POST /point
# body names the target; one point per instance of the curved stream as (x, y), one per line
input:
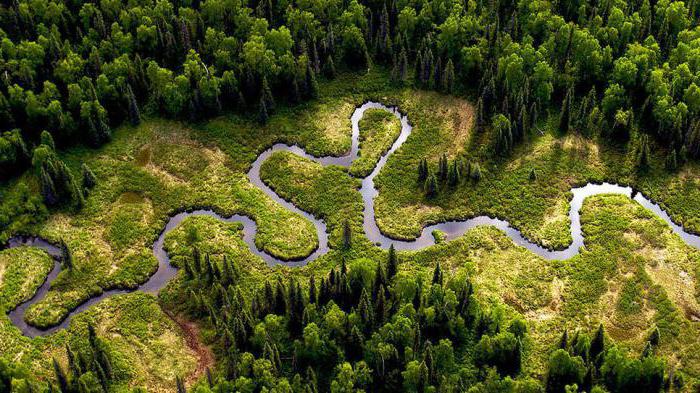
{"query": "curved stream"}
(451, 229)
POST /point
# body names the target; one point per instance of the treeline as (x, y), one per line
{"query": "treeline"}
(76, 69)
(368, 327)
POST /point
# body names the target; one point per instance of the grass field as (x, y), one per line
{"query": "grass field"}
(633, 274)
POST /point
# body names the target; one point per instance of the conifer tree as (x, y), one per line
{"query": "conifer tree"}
(453, 176)
(88, 178)
(448, 80)
(431, 186)
(381, 307)
(422, 170)
(263, 115)
(311, 84)
(266, 95)
(442, 168)
(564, 340)
(392, 264)
(66, 257)
(329, 68)
(598, 342)
(643, 154)
(312, 290)
(565, 112)
(134, 113)
(437, 274)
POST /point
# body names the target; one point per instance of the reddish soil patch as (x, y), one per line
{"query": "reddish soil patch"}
(205, 357)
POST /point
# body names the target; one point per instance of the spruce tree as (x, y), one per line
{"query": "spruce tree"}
(312, 290)
(392, 264)
(437, 274)
(643, 153)
(66, 256)
(88, 178)
(134, 113)
(422, 170)
(47, 188)
(329, 68)
(266, 95)
(442, 168)
(598, 343)
(263, 115)
(311, 84)
(453, 176)
(565, 112)
(431, 186)
(448, 80)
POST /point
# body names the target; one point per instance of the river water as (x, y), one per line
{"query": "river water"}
(451, 229)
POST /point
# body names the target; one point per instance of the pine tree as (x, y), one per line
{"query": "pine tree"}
(266, 95)
(422, 170)
(381, 308)
(392, 264)
(329, 68)
(311, 84)
(564, 340)
(47, 140)
(442, 168)
(403, 66)
(48, 189)
(598, 342)
(431, 186)
(655, 337)
(134, 113)
(437, 274)
(453, 176)
(88, 178)
(643, 154)
(565, 113)
(280, 299)
(66, 257)
(312, 290)
(347, 234)
(262, 111)
(448, 80)
(672, 161)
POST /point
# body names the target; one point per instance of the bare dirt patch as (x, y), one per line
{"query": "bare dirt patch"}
(204, 354)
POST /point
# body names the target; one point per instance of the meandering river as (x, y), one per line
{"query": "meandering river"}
(451, 229)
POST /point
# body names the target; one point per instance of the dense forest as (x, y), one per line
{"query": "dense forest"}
(76, 69)
(71, 72)
(362, 328)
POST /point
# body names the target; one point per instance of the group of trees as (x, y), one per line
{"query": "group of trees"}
(368, 326)
(593, 365)
(57, 183)
(363, 326)
(76, 69)
(447, 173)
(89, 370)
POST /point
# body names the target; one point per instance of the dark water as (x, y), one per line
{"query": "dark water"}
(452, 229)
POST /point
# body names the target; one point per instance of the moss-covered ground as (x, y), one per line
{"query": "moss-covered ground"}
(633, 273)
